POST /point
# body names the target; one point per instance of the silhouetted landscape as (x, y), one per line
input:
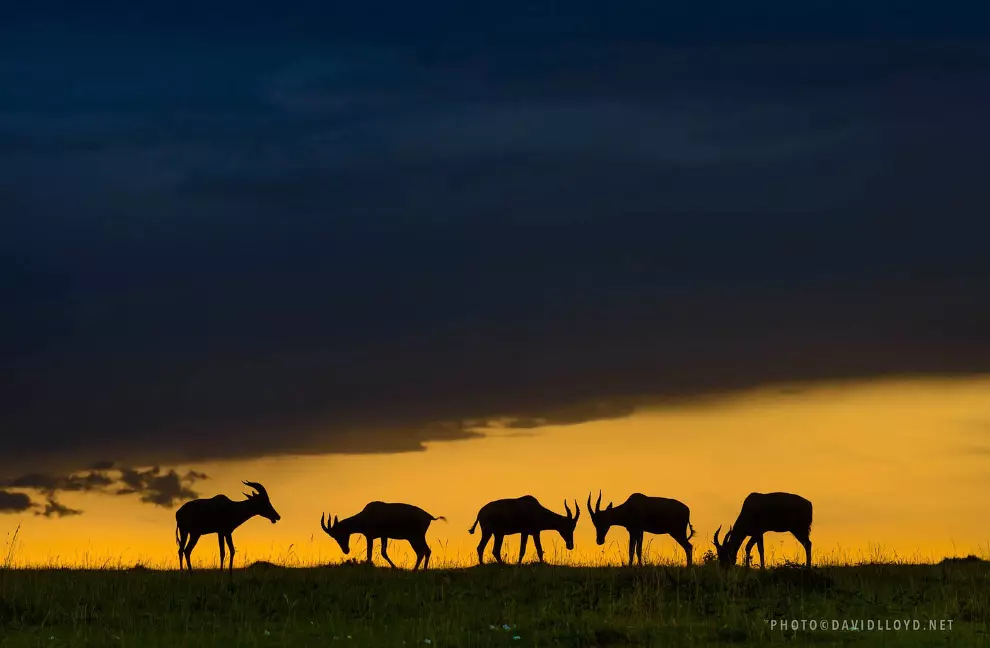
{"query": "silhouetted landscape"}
(547, 603)
(451, 324)
(492, 605)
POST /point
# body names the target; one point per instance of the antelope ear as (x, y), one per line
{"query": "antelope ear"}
(609, 507)
(335, 520)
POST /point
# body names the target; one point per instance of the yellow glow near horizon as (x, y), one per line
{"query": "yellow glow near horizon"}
(900, 465)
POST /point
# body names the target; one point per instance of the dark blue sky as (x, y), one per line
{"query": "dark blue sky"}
(447, 22)
(312, 229)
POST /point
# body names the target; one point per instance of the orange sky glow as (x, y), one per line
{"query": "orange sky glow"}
(895, 466)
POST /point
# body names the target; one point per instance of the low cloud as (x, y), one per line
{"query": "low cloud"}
(151, 485)
(55, 509)
(156, 487)
(93, 480)
(14, 502)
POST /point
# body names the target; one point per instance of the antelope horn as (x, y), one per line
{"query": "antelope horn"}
(591, 510)
(715, 541)
(568, 509)
(598, 504)
(258, 487)
(577, 511)
(323, 524)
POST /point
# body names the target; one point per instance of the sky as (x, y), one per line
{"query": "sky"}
(366, 252)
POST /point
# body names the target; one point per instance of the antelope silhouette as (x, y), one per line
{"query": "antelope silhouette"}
(640, 514)
(527, 517)
(762, 513)
(388, 521)
(219, 515)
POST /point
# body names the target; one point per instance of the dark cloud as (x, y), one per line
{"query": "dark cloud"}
(590, 411)
(53, 508)
(14, 502)
(156, 487)
(152, 485)
(93, 480)
(278, 245)
(35, 481)
(449, 25)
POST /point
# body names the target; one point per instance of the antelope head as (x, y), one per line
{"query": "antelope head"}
(726, 549)
(260, 504)
(332, 529)
(601, 518)
(567, 530)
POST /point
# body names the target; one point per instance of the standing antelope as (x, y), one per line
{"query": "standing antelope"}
(219, 515)
(640, 514)
(526, 516)
(387, 521)
(762, 513)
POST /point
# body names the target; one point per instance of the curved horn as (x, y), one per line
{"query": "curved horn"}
(591, 510)
(258, 487)
(323, 524)
(568, 509)
(598, 504)
(577, 511)
(715, 541)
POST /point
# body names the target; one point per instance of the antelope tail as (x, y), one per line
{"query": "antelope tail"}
(471, 530)
(439, 517)
(690, 535)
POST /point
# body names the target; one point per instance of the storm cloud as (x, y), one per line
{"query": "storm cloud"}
(273, 244)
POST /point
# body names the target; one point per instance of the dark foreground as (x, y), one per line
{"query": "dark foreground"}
(492, 606)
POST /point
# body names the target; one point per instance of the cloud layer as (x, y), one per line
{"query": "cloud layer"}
(14, 502)
(277, 245)
(151, 485)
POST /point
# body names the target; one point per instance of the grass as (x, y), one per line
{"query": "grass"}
(532, 605)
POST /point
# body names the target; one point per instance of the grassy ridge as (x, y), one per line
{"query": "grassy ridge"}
(532, 605)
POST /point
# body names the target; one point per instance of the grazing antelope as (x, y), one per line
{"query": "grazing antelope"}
(762, 513)
(219, 515)
(387, 521)
(526, 516)
(640, 514)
